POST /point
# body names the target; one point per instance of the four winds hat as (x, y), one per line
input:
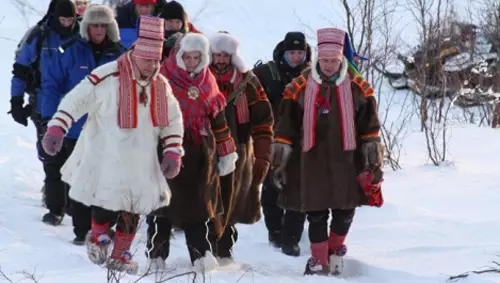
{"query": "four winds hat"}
(331, 43)
(149, 44)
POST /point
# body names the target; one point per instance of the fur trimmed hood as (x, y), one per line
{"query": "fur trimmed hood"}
(99, 14)
(194, 42)
(342, 73)
(224, 42)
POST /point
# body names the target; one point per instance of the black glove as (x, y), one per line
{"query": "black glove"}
(19, 112)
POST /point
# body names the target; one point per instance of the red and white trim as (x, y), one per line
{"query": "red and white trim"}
(62, 119)
(226, 147)
(172, 143)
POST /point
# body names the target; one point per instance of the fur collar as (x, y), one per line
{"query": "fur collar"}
(342, 73)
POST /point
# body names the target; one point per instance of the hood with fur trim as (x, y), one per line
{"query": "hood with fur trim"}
(191, 42)
(99, 14)
(342, 72)
(224, 42)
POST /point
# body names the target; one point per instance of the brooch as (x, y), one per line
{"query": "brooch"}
(193, 93)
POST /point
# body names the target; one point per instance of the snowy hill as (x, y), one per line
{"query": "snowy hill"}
(436, 222)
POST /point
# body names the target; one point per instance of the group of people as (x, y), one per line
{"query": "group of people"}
(143, 115)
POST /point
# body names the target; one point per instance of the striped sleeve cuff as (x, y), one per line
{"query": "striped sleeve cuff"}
(226, 147)
(282, 140)
(172, 143)
(369, 137)
(62, 119)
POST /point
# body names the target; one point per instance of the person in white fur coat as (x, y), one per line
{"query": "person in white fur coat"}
(114, 167)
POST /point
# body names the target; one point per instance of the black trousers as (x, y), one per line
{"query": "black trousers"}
(159, 232)
(318, 223)
(56, 191)
(223, 247)
(288, 223)
(40, 128)
(81, 216)
(126, 222)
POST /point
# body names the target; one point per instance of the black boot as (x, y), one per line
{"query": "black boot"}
(275, 239)
(79, 241)
(52, 219)
(290, 249)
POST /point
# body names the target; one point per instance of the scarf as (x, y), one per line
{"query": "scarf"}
(199, 97)
(128, 97)
(315, 105)
(228, 82)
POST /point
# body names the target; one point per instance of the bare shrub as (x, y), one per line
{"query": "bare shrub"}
(24, 276)
(370, 24)
(431, 82)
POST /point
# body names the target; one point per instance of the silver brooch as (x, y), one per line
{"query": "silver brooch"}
(193, 93)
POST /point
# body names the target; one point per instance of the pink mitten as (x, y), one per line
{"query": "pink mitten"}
(53, 140)
(171, 164)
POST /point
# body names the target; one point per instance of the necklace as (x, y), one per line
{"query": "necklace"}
(143, 97)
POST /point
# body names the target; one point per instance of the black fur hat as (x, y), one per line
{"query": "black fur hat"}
(295, 40)
(65, 8)
(173, 10)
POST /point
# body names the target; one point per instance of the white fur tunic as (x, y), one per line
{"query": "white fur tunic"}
(113, 168)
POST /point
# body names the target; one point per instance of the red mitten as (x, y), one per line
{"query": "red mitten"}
(371, 183)
(53, 140)
(171, 164)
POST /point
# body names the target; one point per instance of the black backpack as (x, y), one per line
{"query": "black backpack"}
(40, 33)
(273, 69)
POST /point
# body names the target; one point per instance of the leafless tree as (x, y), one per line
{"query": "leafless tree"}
(25, 8)
(370, 24)
(433, 17)
(487, 13)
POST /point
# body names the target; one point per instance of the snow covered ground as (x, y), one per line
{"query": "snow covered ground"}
(436, 221)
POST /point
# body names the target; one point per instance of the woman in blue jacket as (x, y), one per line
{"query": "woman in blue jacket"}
(97, 45)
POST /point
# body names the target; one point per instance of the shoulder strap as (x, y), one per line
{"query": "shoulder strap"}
(41, 38)
(67, 44)
(257, 64)
(274, 71)
(240, 88)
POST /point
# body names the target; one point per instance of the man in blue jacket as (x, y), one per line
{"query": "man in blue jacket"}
(127, 15)
(97, 45)
(56, 27)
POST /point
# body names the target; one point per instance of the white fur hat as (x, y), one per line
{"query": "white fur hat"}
(99, 14)
(224, 42)
(191, 42)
